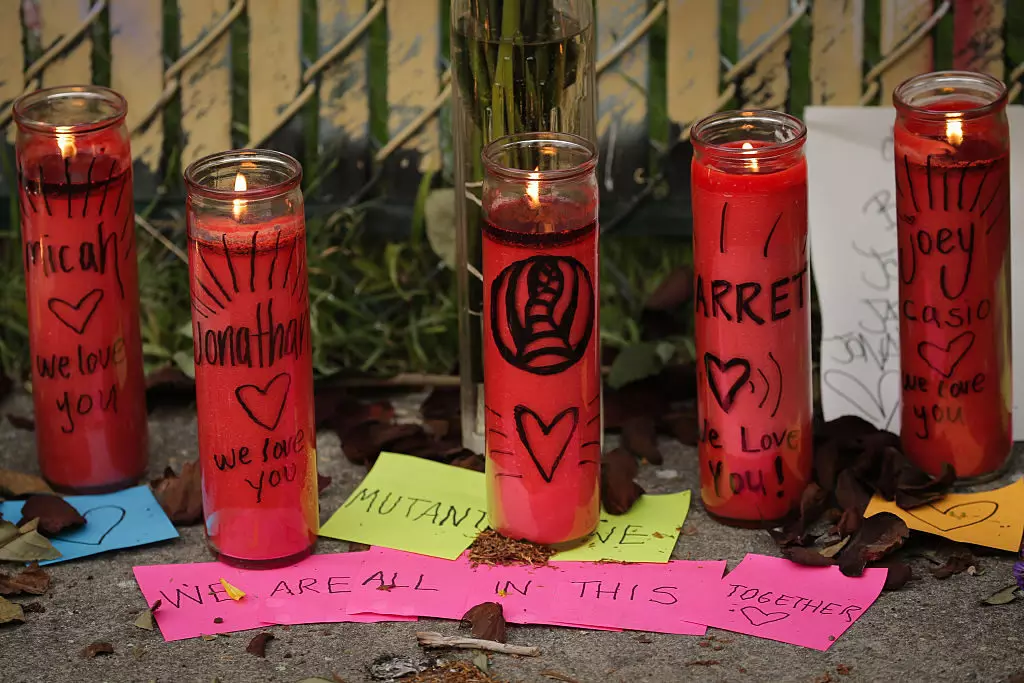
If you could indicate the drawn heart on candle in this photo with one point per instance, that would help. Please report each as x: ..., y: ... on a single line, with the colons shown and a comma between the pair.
x: 265, y: 406
x: 99, y: 522
x: 546, y: 443
x: 871, y: 404
x: 76, y: 316
x: 957, y: 516
x: 758, y: 617
x: 716, y: 371
x: 944, y: 359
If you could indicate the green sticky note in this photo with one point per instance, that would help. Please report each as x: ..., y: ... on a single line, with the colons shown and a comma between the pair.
x: 415, y: 505
x: 647, y: 533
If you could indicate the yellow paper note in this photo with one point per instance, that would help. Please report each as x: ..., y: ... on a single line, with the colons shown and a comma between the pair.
x: 647, y: 533
x: 415, y: 505
x: 989, y: 518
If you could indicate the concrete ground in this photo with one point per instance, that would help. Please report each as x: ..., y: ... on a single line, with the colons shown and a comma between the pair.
x: 930, y: 631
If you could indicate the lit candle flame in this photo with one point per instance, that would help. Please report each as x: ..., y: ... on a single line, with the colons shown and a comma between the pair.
x: 955, y: 131
x: 240, y: 186
x: 751, y: 163
x: 66, y: 142
x: 533, y: 189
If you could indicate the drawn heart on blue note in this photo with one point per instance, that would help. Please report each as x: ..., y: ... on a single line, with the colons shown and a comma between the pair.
x: 99, y: 522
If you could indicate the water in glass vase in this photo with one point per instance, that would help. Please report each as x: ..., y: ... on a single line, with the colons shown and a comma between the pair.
x: 520, y: 66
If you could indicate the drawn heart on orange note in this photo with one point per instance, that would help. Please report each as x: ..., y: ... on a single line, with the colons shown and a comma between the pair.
x: 957, y: 516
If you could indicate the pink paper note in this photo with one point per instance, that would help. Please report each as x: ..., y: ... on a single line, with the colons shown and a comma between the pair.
x: 639, y: 597
x: 396, y: 582
x: 192, y: 597
x: 527, y: 594
x: 773, y: 598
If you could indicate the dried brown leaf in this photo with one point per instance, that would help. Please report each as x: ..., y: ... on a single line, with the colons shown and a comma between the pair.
x: 10, y: 612
x: 640, y: 438
x: 878, y: 536
x: 258, y: 645
x: 672, y: 292
x: 898, y: 574
x: 18, y: 484
x: 1003, y: 596
x: 322, y: 482
x: 53, y: 512
x: 98, y: 648
x: 682, y: 424
x: 956, y: 563
x: 181, y: 497
x: 486, y: 621
x: 33, y: 580
x: 21, y: 422
x: 915, y: 488
x: 809, y: 557
x: 470, y: 461
x: 618, y: 490
x: 29, y: 546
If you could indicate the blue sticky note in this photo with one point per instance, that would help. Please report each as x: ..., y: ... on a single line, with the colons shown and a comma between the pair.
x: 124, y: 519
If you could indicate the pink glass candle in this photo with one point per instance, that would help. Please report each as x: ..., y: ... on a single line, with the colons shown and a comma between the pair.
x: 542, y: 381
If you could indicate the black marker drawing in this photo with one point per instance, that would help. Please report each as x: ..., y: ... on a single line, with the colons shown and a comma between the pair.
x: 76, y: 316
x: 771, y: 233
x: 981, y: 185
x: 721, y: 229
x: 106, y: 187
x: 758, y: 617
x: 264, y: 406
x: 542, y: 313
x: 778, y: 368
x: 871, y: 404
x: 910, y: 182
x: 968, y: 514
x: 96, y: 526
x: 713, y: 376
x: 945, y: 359
x: 546, y: 443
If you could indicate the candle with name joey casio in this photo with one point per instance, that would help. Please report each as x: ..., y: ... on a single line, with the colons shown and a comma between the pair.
x: 752, y: 308
x: 252, y: 352
x: 74, y: 170
x: 951, y: 142
x: 542, y: 375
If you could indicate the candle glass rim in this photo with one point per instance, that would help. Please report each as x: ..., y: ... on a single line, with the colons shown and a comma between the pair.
x: 23, y: 106
x: 903, y: 93
x: 291, y: 174
x: 765, y: 151
x: 493, y: 149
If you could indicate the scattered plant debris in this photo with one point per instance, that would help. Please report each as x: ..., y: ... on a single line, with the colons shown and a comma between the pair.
x: 258, y: 645
x: 807, y: 556
x: 960, y: 561
x: 18, y: 484
x: 434, y: 639
x: 33, y: 580
x: 34, y: 607
x: 899, y: 573
x: 25, y: 544
x: 354, y: 547
x: 10, y: 612
x: 557, y: 676
x: 452, y: 672
x: 843, y: 669
x: 21, y: 422
x: 181, y: 497
x: 486, y: 621
x: 878, y: 536
x: 704, y: 662
x: 640, y: 437
x: 390, y: 667
x: 145, y: 619
x: 619, y: 491
x: 53, y: 512
x: 322, y: 482
x: 491, y: 548
x: 96, y: 649
x: 1004, y: 596
x: 233, y: 592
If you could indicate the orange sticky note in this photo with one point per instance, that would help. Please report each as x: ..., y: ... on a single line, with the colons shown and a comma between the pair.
x: 990, y: 518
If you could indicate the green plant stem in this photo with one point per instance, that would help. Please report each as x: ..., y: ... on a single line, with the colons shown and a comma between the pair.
x: 502, y: 93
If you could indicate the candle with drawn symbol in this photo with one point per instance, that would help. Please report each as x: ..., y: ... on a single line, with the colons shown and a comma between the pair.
x: 252, y: 353
x: 74, y: 170
x: 951, y: 144
x: 542, y: 379
x: 752, y: 311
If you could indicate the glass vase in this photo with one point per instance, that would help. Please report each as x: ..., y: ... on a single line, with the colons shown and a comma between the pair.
x: 520, y: 66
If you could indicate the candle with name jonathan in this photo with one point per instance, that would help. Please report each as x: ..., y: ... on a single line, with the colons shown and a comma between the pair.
x: 253, y: 356
x: 752, y: 308
x: 951, y: 144
x: 74, y: 170
x: 542, y: 375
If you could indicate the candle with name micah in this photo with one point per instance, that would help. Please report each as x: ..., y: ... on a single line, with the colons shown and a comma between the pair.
x: 542, y: 374
x: 74, y: 169
x: 253, y: 356
x: 951, y: 144
x: 753, y: 325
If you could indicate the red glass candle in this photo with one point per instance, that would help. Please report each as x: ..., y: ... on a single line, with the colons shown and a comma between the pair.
x: 81, y: 280
x: 253, y: 356
x: 951, y: 143
x: 753, y: 325
x: 542, y: 375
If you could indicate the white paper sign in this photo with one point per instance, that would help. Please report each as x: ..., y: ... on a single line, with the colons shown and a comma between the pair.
x: 852, y: 213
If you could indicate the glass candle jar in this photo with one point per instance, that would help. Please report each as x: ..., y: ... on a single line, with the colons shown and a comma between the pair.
x: 74, y: 170
x: 951, y: 143
x: 518, y: 67
x: 253, y: 356
x: 542, y: 373
x: 753, y: 314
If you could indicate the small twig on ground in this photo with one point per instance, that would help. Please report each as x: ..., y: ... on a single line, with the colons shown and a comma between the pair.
x: 434, y: 639
x: 491, y: 548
